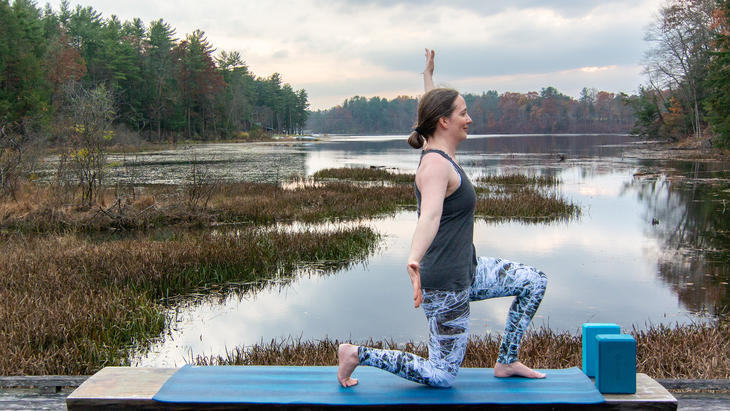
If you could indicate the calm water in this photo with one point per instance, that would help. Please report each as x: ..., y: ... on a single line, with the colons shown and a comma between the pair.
x: 648, y: 249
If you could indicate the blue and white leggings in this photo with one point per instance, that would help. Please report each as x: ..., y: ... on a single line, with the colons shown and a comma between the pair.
x: 448, y: 323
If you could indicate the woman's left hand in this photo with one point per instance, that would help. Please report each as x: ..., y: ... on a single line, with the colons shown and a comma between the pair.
x: 428, y: 71
x: 414, y: 273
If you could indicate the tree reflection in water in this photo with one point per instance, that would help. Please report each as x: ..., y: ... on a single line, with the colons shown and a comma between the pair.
x: 687, y: 209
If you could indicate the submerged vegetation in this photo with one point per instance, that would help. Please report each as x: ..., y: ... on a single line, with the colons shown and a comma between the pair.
x: 688, y: 351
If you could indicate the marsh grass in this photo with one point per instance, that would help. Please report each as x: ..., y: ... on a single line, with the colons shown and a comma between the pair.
x: 518, y: 197
x: 364, y: 174
x: 696, y: 351
x: 527, y: 205
x: 254, y: 203
x: 340, y: 198
x: 520, y: 180
x: 334, y: 201
x: 69, y: 306
x: 541, y: 348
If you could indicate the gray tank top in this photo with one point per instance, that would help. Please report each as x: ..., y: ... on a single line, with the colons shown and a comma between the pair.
x: 450, y: 262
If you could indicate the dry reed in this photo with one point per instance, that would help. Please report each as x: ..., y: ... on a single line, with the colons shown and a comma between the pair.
x: 527, y: 205
x: 255, y: 203
x: 69, y: 306
x: 332, y: 201
x: 517, y: 197
x: 541, y: 349
x: 513, y: 197
x: 519, y: 180
x: 684, y: 351
x: 364, y: 174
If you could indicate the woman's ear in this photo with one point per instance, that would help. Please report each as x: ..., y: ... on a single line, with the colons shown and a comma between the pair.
x: 444, y: 122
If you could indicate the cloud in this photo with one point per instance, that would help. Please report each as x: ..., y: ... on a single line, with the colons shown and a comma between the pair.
x: 336, y: 48
x: 487, y: 8
x: 281, y: 54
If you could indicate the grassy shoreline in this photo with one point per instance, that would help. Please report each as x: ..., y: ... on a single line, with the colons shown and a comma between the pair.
x: 693, y: 351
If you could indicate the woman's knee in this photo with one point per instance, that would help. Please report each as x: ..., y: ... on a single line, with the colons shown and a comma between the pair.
x: 442, y: 380
x: 541, y: 280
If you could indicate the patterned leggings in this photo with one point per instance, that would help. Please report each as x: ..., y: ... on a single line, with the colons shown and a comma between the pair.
x: 448, y: 323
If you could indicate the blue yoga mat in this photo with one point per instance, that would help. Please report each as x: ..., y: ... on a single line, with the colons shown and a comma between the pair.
x: 318, y: 385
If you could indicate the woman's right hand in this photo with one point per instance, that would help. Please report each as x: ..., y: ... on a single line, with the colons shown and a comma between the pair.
x: 414, y: 273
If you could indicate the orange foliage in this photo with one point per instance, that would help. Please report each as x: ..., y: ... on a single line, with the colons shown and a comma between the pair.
x: 720, y: 22
x: 64, y: 64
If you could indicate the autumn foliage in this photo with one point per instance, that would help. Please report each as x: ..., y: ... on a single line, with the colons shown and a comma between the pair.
x: 546, y: 112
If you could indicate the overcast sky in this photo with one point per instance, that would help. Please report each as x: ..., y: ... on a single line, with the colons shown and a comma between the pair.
x: 336, y: 49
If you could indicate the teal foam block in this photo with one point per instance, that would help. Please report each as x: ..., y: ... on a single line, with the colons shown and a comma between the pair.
x: 590, y: 331
x: 616, y: 371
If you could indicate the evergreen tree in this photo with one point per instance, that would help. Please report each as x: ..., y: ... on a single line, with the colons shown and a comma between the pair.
x: 160, y: 84
x: 24, y: 93
x: 237, y: 100
x: 718, y: 103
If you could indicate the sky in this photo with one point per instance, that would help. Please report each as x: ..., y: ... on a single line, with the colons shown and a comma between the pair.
x: 337, y: 49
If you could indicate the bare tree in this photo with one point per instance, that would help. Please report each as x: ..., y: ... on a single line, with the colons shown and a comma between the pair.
x: 19, y: 153
x: 91, y: 113
x: 678, y: 59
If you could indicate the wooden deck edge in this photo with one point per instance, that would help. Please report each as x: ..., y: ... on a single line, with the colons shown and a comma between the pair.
x: 648, y: 391
x: 74, y: 381
x: 687, y: 384
x: 40, y: 381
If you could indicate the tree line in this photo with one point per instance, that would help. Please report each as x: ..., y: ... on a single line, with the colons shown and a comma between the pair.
x: 548, y: 111
x: 688, y: 73
x: 160, y: 87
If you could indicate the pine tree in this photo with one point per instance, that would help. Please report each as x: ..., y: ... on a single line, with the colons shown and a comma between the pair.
x: 718, y: 103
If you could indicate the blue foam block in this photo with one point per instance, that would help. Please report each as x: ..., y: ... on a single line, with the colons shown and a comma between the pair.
x: 590, y: 331
x: 616, y: 371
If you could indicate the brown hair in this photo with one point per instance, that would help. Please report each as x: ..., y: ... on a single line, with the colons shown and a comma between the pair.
x: 435, y: 104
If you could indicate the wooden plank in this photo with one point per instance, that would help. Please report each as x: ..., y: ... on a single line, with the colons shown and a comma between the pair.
x: 702, y: 396
x: 120, y: 388
x: 683, y: 384
x: 704, y: 405
x: 650, y: 395
x: 31, y: 400
x: 27, y: 381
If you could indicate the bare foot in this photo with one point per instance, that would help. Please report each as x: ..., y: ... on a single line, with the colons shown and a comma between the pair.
x: 347, y: 355
x: 516, y: 369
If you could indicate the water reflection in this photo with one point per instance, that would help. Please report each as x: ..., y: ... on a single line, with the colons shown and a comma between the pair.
x: 689, y: 215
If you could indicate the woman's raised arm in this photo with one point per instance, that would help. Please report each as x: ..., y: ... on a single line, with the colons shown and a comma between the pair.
x: 428, y: 72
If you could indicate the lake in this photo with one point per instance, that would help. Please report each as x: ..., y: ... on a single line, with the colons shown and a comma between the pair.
x: 651, y: 246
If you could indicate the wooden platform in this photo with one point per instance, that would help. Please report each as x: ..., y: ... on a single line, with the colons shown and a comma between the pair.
x: 129, y: 388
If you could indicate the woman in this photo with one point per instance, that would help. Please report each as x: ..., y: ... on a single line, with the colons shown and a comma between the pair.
x: 442, y: 264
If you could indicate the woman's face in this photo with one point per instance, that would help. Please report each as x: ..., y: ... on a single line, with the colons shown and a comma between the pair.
x: 459, y: 121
